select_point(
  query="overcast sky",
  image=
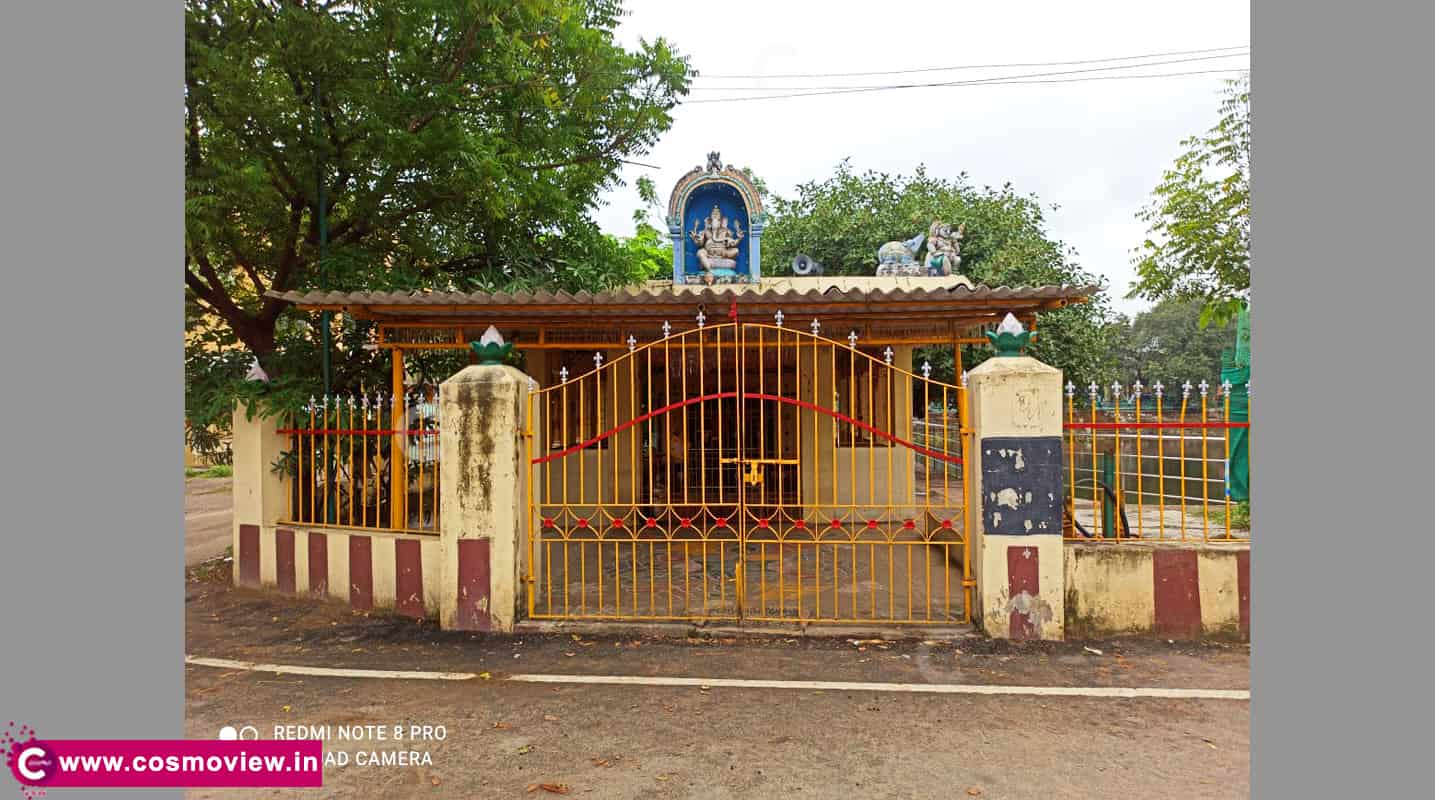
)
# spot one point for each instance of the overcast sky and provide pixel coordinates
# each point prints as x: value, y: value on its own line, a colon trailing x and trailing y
x: 1095, y: 149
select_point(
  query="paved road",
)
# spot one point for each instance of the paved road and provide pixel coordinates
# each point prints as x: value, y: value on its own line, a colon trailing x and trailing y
x: 208, y: 518
x: 502, y: 737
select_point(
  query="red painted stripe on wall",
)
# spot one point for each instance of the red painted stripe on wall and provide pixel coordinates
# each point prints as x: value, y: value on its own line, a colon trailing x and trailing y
x: 1023, y: 575
x: 1243, y: 590
x: 318, y: 564
x: 361, y: 573
x: 408, y: 578
x: 1177, y: 593
x: 473, y: 597
x: 284, y: 559
x: 248, y: 555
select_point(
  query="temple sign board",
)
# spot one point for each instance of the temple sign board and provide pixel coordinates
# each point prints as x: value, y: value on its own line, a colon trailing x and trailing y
x: 715, y: 221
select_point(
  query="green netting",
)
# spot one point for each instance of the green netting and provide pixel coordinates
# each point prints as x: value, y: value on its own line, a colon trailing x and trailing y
x: 1236, y: 370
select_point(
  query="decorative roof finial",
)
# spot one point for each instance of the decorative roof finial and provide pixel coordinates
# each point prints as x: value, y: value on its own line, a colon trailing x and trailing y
x: 491, y: 348
x: 1010, y: 337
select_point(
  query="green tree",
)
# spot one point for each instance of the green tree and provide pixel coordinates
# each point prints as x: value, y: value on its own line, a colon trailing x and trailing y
x: 460, y: 145
x: 843, y: 219
x: 1169, y: 344
x: 1198, y: 243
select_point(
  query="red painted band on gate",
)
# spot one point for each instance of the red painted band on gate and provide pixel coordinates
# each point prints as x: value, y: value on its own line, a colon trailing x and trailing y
x: 1106, y: 426
x: 356, y: 432
x: 746, y: 396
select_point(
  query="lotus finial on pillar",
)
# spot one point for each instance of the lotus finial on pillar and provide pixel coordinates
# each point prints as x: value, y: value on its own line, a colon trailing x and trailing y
x: 1010, y: 337
x: 491, y: 349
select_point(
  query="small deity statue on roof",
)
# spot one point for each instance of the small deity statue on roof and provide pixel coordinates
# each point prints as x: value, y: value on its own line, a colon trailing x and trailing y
x: 717, y: 243
x: 944, y: 248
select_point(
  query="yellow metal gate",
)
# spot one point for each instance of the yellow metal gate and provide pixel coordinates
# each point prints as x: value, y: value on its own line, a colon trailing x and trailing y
x: 753, y: 472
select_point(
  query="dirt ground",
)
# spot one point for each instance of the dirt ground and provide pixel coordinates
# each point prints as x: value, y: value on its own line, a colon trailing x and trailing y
x: 509, y: 739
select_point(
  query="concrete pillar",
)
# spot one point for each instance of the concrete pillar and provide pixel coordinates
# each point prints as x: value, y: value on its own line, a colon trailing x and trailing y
x: 484, y: 466
x: 1017, y: 552
x: 259, y: 493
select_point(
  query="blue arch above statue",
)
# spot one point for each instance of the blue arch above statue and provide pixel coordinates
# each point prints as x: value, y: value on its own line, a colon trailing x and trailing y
x: 715, y: 221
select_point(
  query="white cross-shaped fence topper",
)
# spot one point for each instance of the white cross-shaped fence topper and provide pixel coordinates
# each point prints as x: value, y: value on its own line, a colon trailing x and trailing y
x: 563, y: 374
x: 852, y: 339
x: 598, y: 359
x: 632, y: 343
x: 778, y: 316
x: 702, y: 319
x: 887, y: 355
x: 926, y: 369
x: 667, y: 329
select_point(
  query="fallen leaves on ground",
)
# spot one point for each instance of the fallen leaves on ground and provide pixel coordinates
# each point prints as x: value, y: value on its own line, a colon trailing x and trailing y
x: 551, y: 788
x: 550, y: 718
x: 974, y: 791
x: 434, y: 781
x: 500, y: 726
x: 525, y: 749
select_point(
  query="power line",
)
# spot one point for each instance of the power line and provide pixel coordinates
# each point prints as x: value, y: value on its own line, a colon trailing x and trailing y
x: 1000, y: 80
x: 984, y: 66
x: 944, y: 83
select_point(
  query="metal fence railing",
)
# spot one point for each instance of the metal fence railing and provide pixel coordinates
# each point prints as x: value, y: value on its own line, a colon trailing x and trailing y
x: 364, y: 462
x: 1141, y: 467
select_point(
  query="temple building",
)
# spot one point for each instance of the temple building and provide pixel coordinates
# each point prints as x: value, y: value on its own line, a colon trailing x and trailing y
x: 754, y: 417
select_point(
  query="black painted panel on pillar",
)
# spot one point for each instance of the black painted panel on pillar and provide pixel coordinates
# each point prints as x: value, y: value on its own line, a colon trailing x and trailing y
x: 1022, y: 485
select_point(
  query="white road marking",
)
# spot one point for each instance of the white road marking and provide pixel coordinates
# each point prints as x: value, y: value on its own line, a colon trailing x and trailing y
x: 744, y: 683
x: 329, y: 672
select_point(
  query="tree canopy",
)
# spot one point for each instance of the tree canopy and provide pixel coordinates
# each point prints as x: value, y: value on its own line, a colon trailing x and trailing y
x: 459, y: 145
x: 1198, y: 243
x: 1168, y: 343
x: 842, y: 220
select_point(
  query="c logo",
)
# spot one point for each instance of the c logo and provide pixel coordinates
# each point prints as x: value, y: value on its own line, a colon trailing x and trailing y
x: 33, y: 762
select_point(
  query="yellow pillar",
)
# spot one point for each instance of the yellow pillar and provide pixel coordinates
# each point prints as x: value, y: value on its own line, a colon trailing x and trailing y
x: 260, y: 497
x: 483, y: 459
x: 1017, y: 492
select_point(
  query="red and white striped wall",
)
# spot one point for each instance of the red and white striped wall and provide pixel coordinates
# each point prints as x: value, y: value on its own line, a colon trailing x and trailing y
x: 1200, y: 591
x: 366, y: 570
